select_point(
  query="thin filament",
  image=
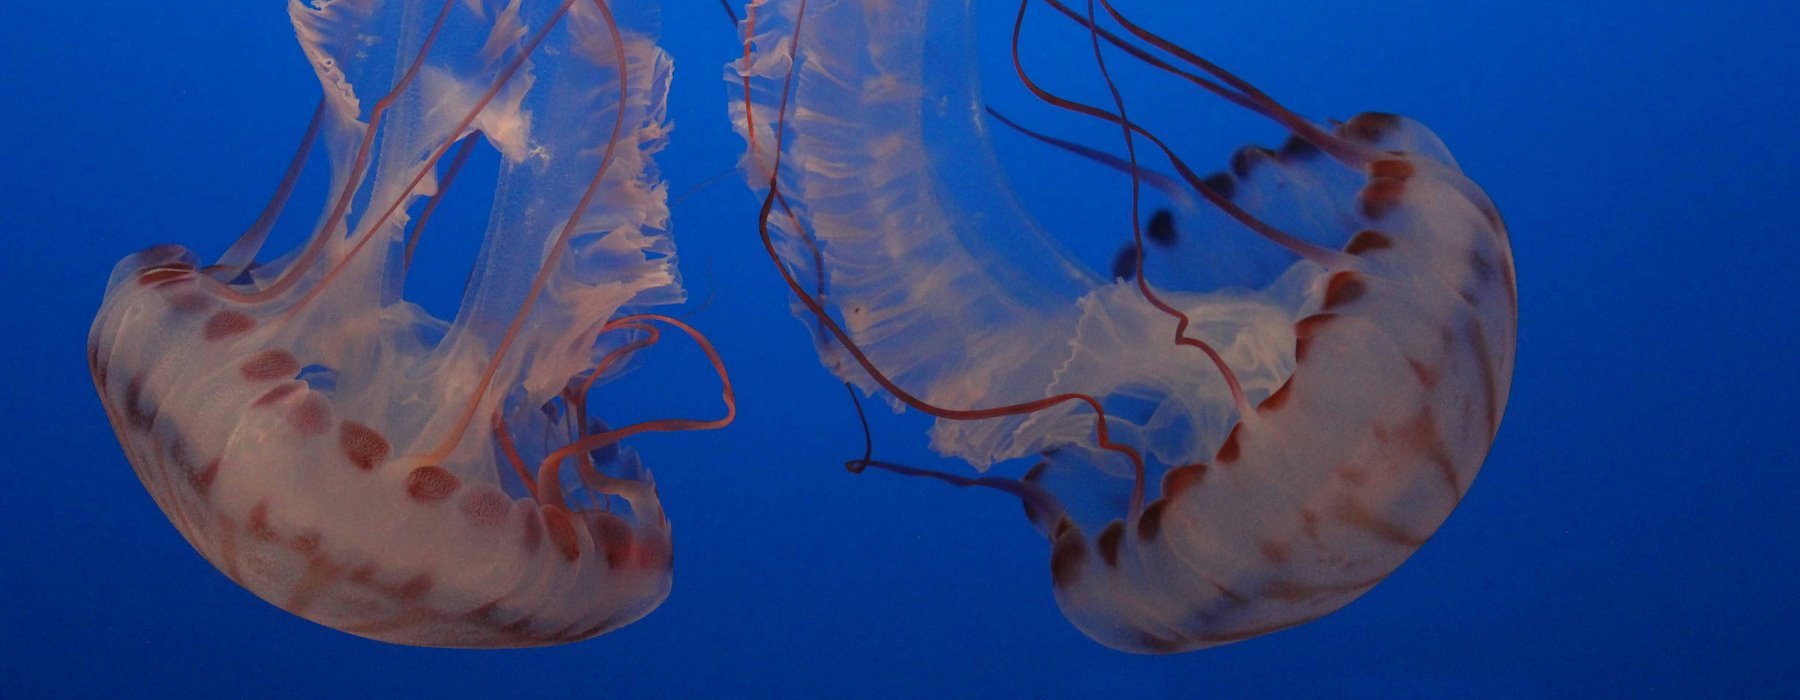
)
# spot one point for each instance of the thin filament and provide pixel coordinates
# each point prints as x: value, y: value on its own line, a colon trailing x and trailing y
x: 243, y: 252
x: 562, y: 239
x: 1102, y: 434
x: 1137, y: 229
x: 418, y: 229
x: 1324, y: 257
x: 315, y: 248
x: 548, y: 470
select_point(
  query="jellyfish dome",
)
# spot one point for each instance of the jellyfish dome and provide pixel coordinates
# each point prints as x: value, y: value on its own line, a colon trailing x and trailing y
x: 344, y: 455
x: 1277, y: 396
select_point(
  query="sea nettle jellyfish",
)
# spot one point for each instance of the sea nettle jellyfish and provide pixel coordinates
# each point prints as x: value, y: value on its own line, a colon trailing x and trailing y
x: 341, y: 453
x: 1222, y: 447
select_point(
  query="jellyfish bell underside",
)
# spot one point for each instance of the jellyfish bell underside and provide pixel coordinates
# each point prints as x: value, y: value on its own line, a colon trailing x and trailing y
x: 1373, y: 372
x: 341, y: 453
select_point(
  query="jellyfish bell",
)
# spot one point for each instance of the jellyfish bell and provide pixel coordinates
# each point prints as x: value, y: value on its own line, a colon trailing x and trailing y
x: 343, y: 454
x: 1213, y: 458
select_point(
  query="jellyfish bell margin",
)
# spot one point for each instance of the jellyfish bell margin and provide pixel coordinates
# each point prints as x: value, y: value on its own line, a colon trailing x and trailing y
x: 1214, y: 460
x: 344, y: 455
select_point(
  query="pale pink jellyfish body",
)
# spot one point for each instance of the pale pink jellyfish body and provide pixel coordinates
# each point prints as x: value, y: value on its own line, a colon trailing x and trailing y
x: 341, y: 453
x: 1218, y: 454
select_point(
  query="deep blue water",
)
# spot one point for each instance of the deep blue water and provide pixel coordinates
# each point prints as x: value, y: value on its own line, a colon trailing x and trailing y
x: 1631, y: 534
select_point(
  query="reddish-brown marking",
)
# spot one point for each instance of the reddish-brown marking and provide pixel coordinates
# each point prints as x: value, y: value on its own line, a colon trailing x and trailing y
x: 306, y: 543
x: 190, y: 302
x: 164, y: 273
x: 1353, y: 474
x: 1305, y: 329
x: 1277, y: 399
x: 1394, y: 168
x: 483, y: 614
x: 1380, y: 196
x: 1228, y: 452
x: 562, y: 532
x: 613, y: 535
x: 1481, y: 267
x: 276, y: 394
x: 1343, y: 287
x: 485, y: 507
x: 1428, y: 377
x: 202, y: 480
x: 1108, y: 542
x: 413, y: 588
x: 258, y: 523
x: 1275, y: 552
x: 1309, y: 524
x: 362, y: 445
x: 225, y: 324
x: 431, y: 483
x: 312, y: 416
x: 97, y: 368
x: 1351, y: 512
x: 1288, y: 591
x: 1298, y: 148
x: 270, y: 365
x: 1422, y: 436
x: 1221, y: 184
x: 1369, y: 126
x: 1066, y: 559
x: 652, y: 553
x: 517, y: 627
x: 135, y: 413
x: 321, y: 574
x: 1150, y: 523
x: 364, y: 574
x: 534, y: 531
x: 1245, y: 160
x: 1366, y: 241
x: 1181, y: 479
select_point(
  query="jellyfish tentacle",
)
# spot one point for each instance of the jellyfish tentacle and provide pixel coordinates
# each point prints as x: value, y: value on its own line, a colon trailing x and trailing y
x: 1322, y: 256
x: 557, y: 248
x: 428, y: 168
x: 1038, y: 503
x: 242, y: 253
x: 431, y: 205
x: 548, y: 470
x: 1353, y: 155
x: 503, y: 437
x: 575, y: 395
x: 1126, y: 127
x: 1235, y: 97
x: 1162, y: 182
x: 353, y: 174
x: 1101, y: 429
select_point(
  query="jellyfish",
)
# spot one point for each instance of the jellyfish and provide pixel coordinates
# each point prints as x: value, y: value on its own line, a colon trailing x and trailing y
x: 341, y: 453
x: 1290, y: 379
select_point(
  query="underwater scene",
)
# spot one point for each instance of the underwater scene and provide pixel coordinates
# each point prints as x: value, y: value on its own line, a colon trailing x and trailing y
x: 900, y: 348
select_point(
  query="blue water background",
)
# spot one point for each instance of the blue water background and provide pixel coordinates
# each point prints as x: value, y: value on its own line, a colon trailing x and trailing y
x: 1631, y: 534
